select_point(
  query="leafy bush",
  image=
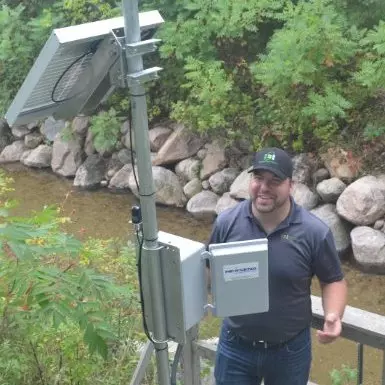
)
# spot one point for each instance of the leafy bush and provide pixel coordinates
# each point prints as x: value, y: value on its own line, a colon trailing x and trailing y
x: 62, y: 301
x: 105, y: 128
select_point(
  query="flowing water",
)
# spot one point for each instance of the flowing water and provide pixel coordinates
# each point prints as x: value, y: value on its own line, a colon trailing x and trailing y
x: 104, y: 214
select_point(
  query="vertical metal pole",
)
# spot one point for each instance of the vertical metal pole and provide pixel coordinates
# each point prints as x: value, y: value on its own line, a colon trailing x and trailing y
x: 150, y: 252
x: 360, y: 364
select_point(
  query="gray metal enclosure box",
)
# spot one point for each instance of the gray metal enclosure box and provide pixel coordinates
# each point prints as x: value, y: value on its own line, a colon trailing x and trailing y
x: 184, y: 283
x: 239, y: 277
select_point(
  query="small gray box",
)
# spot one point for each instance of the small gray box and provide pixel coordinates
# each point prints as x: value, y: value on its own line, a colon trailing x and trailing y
x: 239, y: 277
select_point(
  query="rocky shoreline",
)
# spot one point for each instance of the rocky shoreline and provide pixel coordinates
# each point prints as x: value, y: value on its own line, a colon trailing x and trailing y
x: 205, y: 177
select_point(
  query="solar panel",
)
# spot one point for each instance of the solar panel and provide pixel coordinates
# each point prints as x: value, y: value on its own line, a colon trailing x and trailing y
x: 74, y: 71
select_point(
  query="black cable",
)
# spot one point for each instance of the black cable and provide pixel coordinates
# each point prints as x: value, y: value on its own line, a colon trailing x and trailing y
x: 91, y: 51
x: 139, y: 267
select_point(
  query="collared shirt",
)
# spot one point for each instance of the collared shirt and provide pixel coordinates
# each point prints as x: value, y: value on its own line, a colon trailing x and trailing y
x: 299, y: 248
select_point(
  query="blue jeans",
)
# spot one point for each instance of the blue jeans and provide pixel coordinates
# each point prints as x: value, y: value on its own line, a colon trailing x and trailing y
x: 242, y: 363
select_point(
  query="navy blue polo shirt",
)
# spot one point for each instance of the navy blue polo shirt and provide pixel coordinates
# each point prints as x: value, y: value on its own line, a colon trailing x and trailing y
x: 299, y: 248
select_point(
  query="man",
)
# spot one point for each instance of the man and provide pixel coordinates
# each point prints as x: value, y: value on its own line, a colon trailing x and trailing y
x: 276, y: 346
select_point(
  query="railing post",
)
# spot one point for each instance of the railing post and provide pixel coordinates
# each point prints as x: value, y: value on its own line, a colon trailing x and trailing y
x: 360, y: 364
x: 190, y: 360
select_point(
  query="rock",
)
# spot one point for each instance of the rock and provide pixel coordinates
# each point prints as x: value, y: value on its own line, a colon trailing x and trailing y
x: 40, y: 157
x: 340, y: 228
x: 33, y: 125
x: 5, y: 135
x: 33, y: 139
x: 25, y: 155
x: 215, y: 159
x: 188, y: 169
x: 205, y: 185
x: 369, y: 249
x: 341, y: 164
x: 113, y: 166
x: 126, y: 140
x: 302, y: 169
x: 304, y: 196
x: 379, y: 224
x: 89, y: 147
x: 125, y: 127
x: 320, y: 175
x: 240, y: 187
x: 201, y: 153
x: 121, y: 180
x: 67, y: 156
x: 192, y: 188
x: 13, y: 152
x: 19, y: 132
x: 158, y: 136
x: 51, y: 127
x: 221, y: 181
x: 330, y: 189
x: 363, y: 201
x: 168, y: 190
x: 91, y: 173
x: 80, y: 125
x: 124, y: 156
x: 203, y: 204
x: 181, y: 144
x: 225, y: 202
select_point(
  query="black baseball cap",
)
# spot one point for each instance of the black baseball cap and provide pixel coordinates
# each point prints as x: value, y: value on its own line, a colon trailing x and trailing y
x: 274, y: 160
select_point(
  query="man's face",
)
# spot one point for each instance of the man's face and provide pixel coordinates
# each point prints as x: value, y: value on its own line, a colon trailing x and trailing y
x: 268, y: 192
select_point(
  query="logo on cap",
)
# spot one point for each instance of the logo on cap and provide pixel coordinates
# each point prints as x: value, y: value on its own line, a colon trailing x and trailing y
x: 269, y: 157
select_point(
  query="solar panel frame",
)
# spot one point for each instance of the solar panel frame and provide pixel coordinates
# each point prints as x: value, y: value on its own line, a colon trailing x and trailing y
x: 33, y: 100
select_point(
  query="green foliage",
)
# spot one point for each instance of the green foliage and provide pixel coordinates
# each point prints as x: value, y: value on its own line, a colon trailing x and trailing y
x: 213, y: 98
x: 344, y: 376
x: 371, y: 73
x: 83, y: 11
x: 105, y: 128
x: 62, y: 301
x: 20, y: 41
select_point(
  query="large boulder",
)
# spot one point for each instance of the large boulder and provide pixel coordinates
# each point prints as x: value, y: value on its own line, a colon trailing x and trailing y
x: 330, y: 189
x: 339, y: 227
x: 221, y: 181
x: 363, y: 201
x: 39, y: 157
x: 13, y: 152
x: 5, y: 135
x: 121, y: 180
x: 168, y: 190
x: 239, y: 189
x: 302, y: 168
x: 203, y: 205
x: 67, y: 156
x: 225, y: 202
x: 215, y: 159
x: 51, y: 127
x: 304, y: 196
x: 91, y: 173
x: 369, y: 249
x: 33, y: 139
x: 80, y: 125
x: 158, y: 136
x: 341, y: 164
x: 192, y: 188
x: 181, y: 144
x: 188, y: 169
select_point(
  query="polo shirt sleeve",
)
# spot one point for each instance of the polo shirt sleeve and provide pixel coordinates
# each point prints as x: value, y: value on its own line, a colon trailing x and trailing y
x: 326, y: 263
x: 215, y: 237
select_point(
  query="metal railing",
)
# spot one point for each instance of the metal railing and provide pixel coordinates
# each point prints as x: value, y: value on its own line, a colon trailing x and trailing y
x: 360, y: 326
